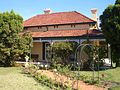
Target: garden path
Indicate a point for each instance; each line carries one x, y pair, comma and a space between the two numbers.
67, 81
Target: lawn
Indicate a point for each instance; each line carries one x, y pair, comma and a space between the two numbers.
112, 74
109, 75
115, 88
12, 79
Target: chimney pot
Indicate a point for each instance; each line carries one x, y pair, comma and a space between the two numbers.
47, 11
94, 13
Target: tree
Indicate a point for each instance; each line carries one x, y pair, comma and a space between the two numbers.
25, 45
11, 25
110, 24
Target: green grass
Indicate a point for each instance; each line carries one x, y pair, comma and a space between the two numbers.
115, 88
112, 74
12, 79
109, 74
6, 71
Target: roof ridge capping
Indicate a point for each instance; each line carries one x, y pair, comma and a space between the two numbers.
60, 12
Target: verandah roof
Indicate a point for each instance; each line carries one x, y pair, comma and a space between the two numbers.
66, 33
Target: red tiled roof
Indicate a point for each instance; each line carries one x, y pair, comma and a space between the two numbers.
57, 18
65, 33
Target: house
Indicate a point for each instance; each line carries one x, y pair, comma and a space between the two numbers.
49, 28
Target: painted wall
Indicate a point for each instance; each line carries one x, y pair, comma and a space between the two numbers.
37, 49
59, 27
69, 27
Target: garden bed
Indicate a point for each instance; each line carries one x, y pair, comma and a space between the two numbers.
57, 81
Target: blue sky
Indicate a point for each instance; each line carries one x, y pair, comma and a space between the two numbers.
29, 8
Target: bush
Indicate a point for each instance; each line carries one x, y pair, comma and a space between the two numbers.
62, 51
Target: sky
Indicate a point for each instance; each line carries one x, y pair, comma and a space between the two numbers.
29, 8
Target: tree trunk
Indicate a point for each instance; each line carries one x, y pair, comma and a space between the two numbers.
111, 58
118, 63
111, 63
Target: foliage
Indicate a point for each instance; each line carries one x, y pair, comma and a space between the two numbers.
110, 24
117, 2
62, 51
25, 45
76, 75
51, 83
11, 44
63, 69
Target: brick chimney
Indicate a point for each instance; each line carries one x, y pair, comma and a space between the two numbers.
47, 11
94, 14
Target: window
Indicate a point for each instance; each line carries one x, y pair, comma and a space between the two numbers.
36, 38
56, 26
73, 25
39, 27
25, 28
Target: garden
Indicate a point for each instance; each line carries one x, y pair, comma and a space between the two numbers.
19, 78
61, 75
72, 66
65, 79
